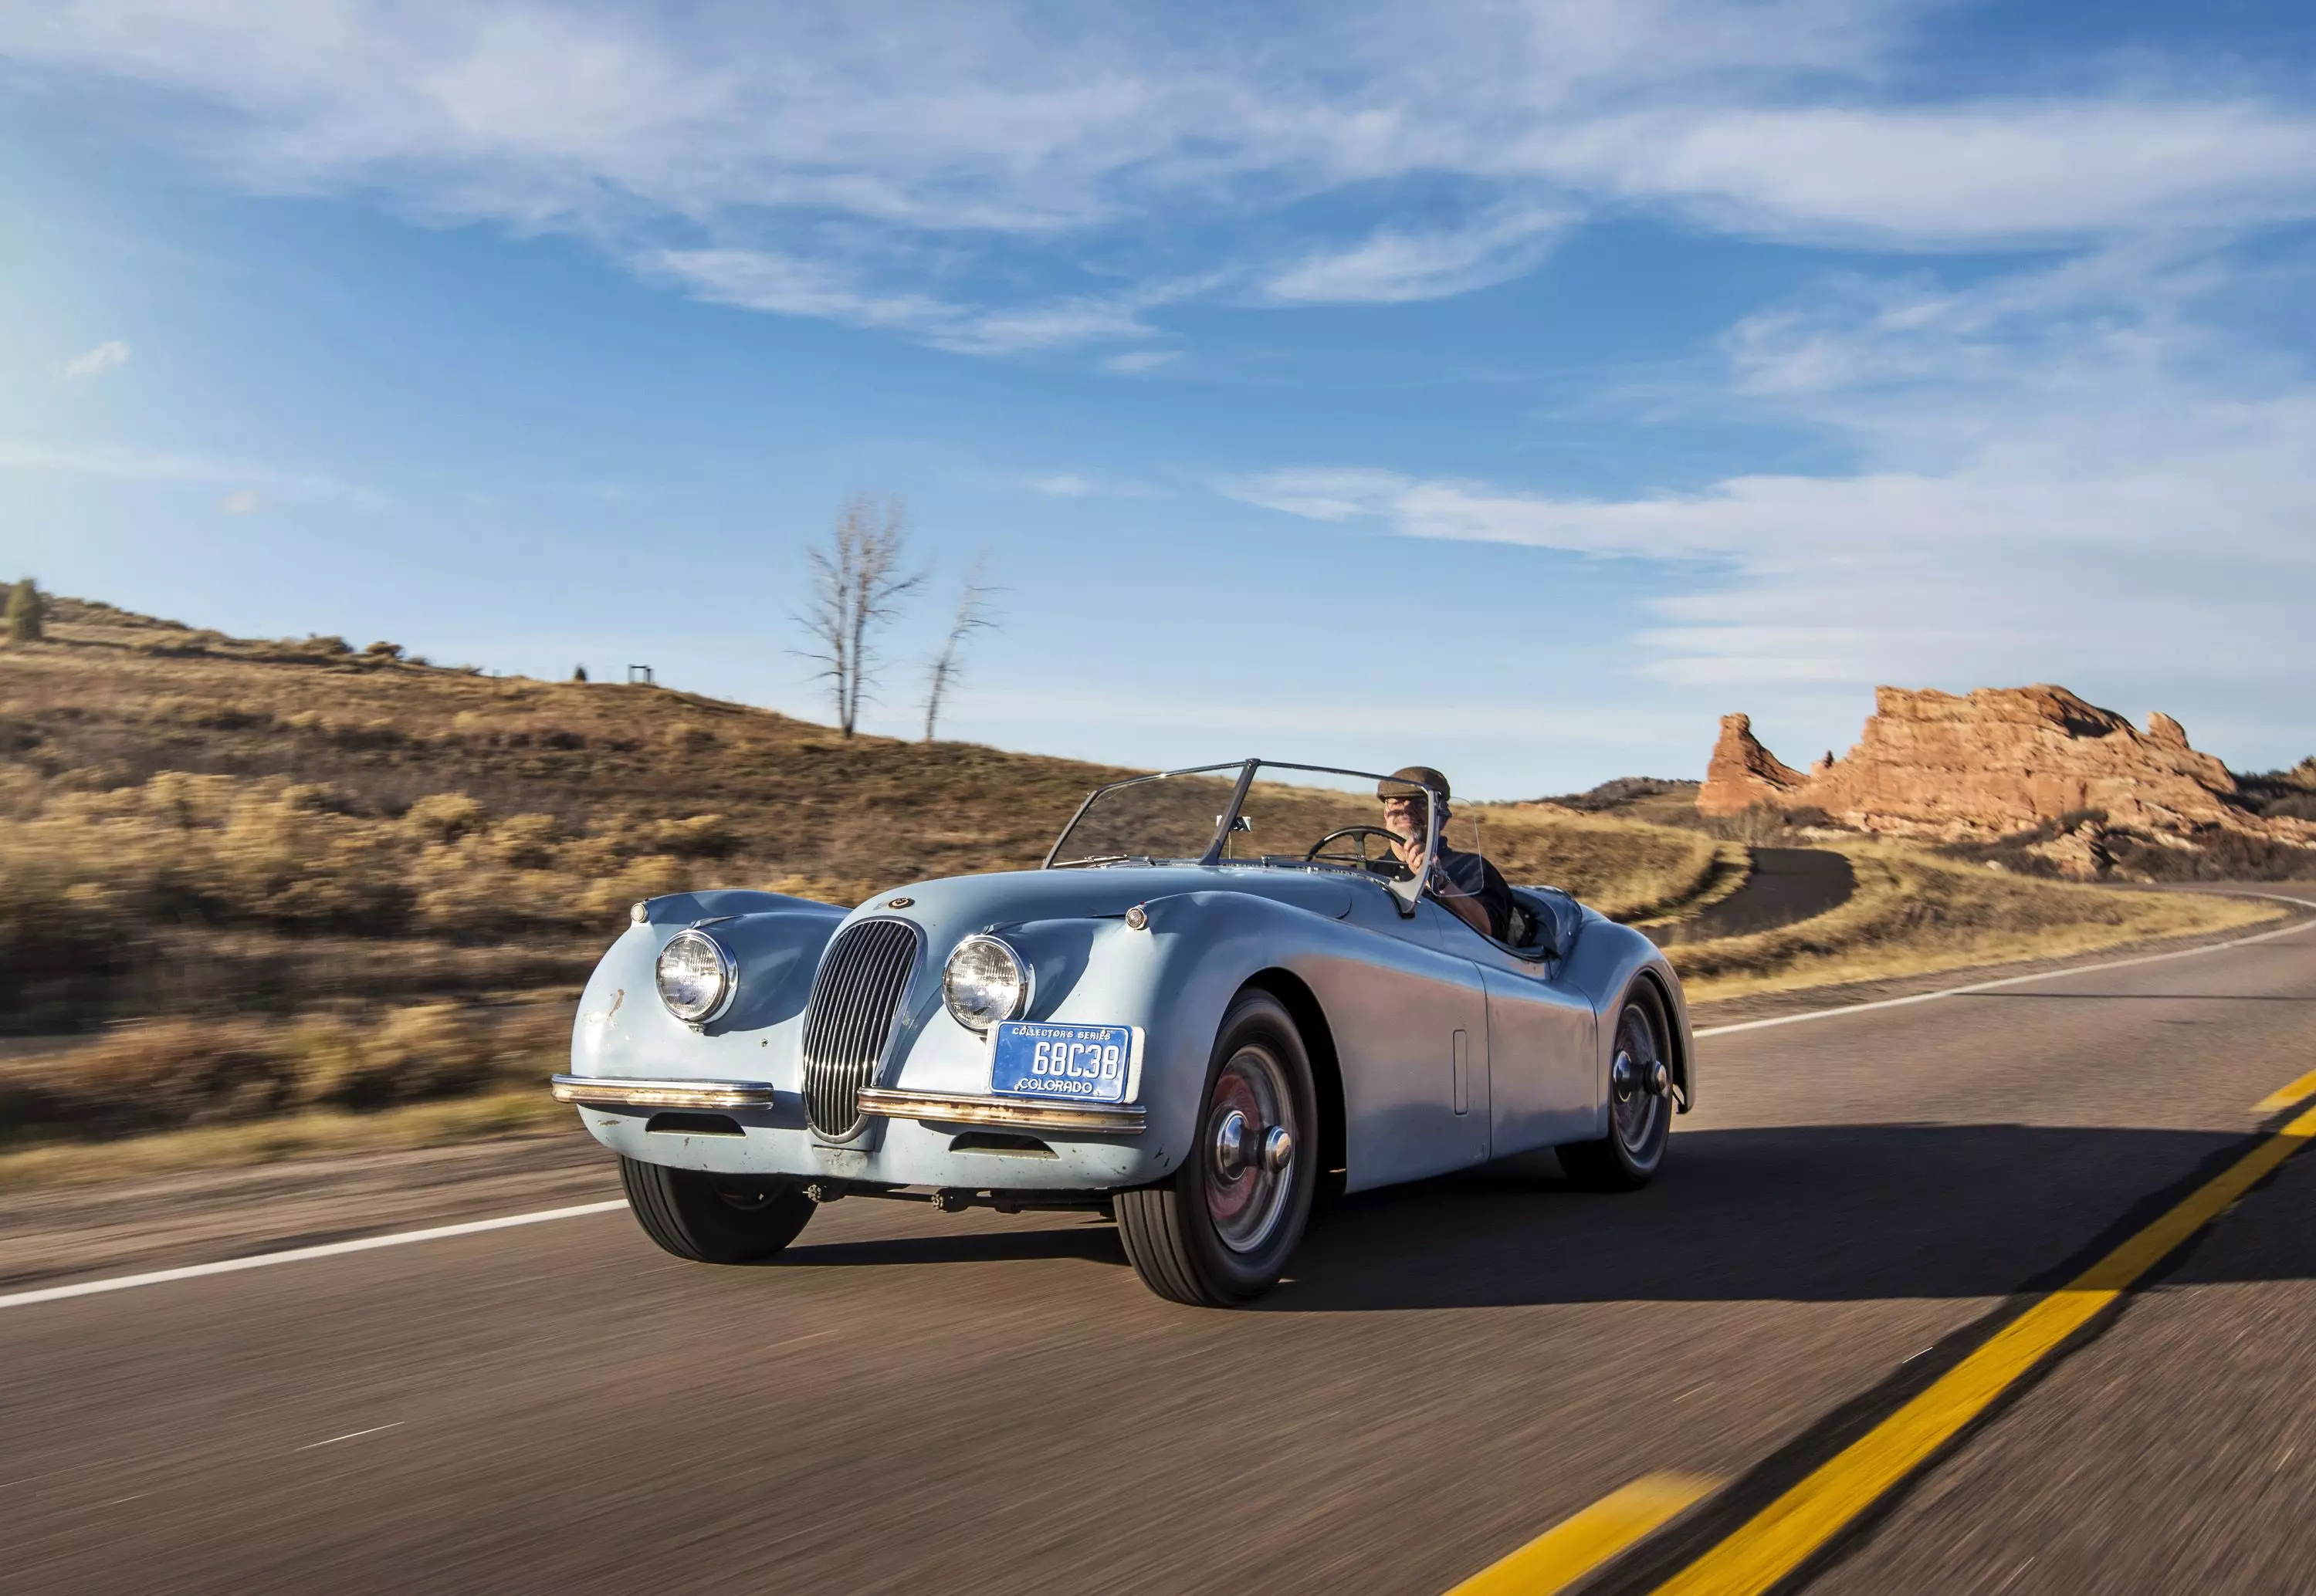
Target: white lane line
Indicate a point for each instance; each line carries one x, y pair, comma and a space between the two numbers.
2015, 981
351, 1435
300, 1254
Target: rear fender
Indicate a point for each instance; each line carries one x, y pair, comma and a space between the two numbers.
1605, 961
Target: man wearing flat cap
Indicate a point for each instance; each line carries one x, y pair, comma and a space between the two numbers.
1465, 884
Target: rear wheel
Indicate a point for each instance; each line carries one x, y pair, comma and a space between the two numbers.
1219, 1233
707, 1218
1640, 1102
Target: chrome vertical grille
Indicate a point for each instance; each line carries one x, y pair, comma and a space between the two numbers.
849, 1019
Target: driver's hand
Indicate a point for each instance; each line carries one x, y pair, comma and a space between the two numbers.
1410, 853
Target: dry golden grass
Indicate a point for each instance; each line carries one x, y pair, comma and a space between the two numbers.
1628, 870
155, 1075
1914, 914
294, 1135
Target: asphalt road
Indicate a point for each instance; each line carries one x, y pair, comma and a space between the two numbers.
910, 1402
1784, 887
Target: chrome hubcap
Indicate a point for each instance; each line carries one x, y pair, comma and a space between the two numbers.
1639, 1082
1252, 1146
1231, 1140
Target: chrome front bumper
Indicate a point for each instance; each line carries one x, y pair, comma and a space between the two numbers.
945, 1108
1010, 1114
611, 1092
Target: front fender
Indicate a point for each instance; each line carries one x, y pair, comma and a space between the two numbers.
622, 1029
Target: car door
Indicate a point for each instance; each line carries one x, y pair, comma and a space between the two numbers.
1411, 1022
1544, 1085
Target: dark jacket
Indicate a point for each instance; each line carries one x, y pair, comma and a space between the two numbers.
1458, 874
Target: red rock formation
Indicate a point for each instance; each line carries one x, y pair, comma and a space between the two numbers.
1997, 761
1742, 772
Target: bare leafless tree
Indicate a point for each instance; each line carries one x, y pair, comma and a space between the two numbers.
858, 576
974, 612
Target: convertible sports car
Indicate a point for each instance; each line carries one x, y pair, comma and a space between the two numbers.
1161, 1023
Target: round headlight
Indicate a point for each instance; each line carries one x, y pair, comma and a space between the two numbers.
985, 981
697, 978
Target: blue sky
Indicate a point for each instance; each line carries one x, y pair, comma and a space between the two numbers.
1513, 388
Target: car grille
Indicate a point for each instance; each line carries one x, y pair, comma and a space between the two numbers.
854, 999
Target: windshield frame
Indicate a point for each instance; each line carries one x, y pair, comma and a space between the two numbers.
1406, 894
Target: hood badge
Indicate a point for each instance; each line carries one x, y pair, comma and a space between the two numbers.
898, 903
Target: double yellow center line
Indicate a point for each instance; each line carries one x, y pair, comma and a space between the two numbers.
1781, 1537
1778, 1539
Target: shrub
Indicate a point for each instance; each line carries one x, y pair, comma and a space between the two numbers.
2223, 856
383, 650
445, 817
28, 610
701, 836
179, 1072
526, 841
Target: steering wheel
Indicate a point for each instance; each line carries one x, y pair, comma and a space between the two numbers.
1388, 866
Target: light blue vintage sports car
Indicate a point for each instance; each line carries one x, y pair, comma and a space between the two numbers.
1161, 1023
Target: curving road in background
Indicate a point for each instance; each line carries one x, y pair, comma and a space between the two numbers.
1782, 887
912, 1402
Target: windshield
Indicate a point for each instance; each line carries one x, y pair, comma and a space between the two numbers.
1256, 813
1170, 816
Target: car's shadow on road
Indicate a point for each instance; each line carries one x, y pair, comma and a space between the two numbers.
1812, 1213
1064, 1236
1807, 1214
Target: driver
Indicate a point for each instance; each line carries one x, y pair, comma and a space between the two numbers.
1466, 884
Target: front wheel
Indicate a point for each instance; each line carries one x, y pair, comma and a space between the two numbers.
707, 1218
1640, 1102
1219, 1233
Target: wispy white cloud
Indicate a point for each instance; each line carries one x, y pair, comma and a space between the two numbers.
763, 279
242, 501
1972, 173
194, 470
110, 356
930, 170
1395, 264
1135, 363
1072, 485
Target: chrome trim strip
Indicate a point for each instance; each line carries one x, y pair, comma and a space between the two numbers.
604, 1091
1014, 1113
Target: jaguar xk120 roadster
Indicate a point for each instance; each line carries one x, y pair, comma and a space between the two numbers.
1161, 1022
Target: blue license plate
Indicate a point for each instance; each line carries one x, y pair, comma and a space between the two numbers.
1081, 1063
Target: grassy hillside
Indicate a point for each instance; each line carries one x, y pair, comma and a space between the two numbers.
244, 879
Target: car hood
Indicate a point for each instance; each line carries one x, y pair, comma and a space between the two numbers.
960, 905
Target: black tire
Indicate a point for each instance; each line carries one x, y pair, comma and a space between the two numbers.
1178, 1244
714, 1218
1629, 1156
